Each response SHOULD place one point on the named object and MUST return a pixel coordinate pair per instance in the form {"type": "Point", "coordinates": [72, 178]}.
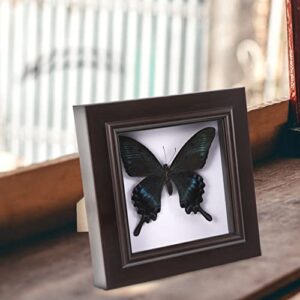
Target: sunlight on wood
{"type": "Point", "coordinates": [82, 224]}
{"type": "Point", "coordinates": [135, 290]}
{"type": "Point", "coordinates": [295, 297]}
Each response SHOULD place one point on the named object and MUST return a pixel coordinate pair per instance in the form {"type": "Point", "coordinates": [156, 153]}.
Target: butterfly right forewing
{"type": "Point", "coordinates": [193, 154]}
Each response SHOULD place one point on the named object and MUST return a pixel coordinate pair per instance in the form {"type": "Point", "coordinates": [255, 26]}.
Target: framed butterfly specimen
{"type": "Point", "coordinates": [168, 185]}
{"type": "Point", "coordinates": [146, 196]}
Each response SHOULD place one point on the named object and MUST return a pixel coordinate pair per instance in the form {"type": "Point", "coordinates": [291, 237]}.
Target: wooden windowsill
{"type": "Point", "coordinates": [62, 263]}
{"type": "Point", "coordinates": [43, 197]}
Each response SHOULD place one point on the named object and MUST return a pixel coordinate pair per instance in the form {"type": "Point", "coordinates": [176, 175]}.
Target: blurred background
{"type": "Point", "coordinates": [55, 54]}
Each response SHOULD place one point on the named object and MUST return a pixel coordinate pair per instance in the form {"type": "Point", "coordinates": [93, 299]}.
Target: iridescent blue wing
{"type": "Point", "coordinates": [138, 160]}
{"type": "Point", "coordinates": [193, 154]}
{"type": "Point", "coordinates": [146, 198]}
{"type": "Point", "coordinates": [190, 187]}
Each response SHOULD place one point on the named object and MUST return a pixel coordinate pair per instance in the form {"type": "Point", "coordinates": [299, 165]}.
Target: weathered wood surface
{"type": "Point", "coordinates": [265, 128]}
{"type": "Point", "coordinates": [60, 267]}
{"type": "Point", "coordinates": [39, 198]}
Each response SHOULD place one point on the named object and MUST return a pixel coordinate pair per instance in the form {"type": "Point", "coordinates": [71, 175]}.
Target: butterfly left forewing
{"type": "Point", "coordinates": [193, 154]}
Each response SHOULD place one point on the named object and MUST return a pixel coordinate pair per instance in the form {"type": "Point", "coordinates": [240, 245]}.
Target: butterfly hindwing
{"type": "Point", "coordinates": [193, 154]}
{"type": "Point", "coordinates": [190, 187]}
{"type": "Point", "coordinates": [146, 198]}
{"type": "Point", "coordinates": [138, 161]}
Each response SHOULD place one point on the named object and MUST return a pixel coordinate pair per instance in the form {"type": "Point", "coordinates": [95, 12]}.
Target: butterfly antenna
{"type": "Point", "coordinates": [165, 154]}
{"type": "Point", "coordinates": [173, 155]}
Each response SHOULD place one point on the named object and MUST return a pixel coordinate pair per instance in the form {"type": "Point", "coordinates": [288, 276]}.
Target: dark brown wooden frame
{"type": "Point", "coordinates": [97, 128]}
{"type": "Point", "coordinates": [235, 221]}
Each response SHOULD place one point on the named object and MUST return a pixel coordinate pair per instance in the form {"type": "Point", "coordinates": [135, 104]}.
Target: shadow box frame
{"type": "Point", "coordinates": [98, 127]}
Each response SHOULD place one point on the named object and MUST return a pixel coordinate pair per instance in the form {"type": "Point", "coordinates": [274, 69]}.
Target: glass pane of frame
{"type": "Point", "coordinates": [173, 224]}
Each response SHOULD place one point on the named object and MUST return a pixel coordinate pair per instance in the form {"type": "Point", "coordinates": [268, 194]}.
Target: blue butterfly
{"type": "Point", "coordinates": [139, 161]}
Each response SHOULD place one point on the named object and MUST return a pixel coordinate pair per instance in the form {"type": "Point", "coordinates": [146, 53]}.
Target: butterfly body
{"type": "Point", "coordinates": [167, 180]}
{"type": "Point", "coordinates": [139, 161]}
